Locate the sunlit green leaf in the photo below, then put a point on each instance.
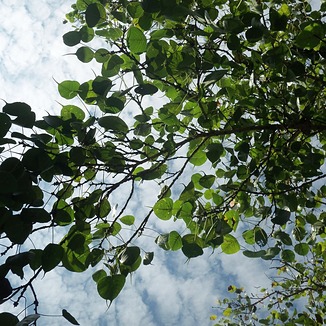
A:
(127, 219)
(230, 244)
(163, 208)
(68, 89)
(136, 40)
(175, 240)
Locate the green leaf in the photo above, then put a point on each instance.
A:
(71, 38)
(99, 275)
(113, 123)
(127, 219)
(278, 21)
(136, 40)
(23, 113)
(281, 216)
(95, 14)
(72, 112)
(28, 320)
(254, 254)
(129, 255)
(102, 55)
(299, 233)
(249, 236)
(261, 237)
(69, 317)
(109, 287)
(214, 152)
(68, 89)
(146, 89)
(94, 257)
(156, 171)
(51, 256)
(113, 104)
(207, 181)
(198, 158)
(190, 247)
(230, 244)
(76, 243)
(87, 34)
(311, 35)
(17, 263)
(288, 256)
(162, 241)
(254, 34)
(302, 249)
(85, 54)
(174, 241)
(111, 67)
(284, 237)
(17, 230)
(214, 76)
(163, 208)
(271, 253)
(101, 85)
(34, 215)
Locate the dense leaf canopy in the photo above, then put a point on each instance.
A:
(220, 104)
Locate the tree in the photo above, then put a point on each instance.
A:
(236, 146)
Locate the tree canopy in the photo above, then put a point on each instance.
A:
(219, 105)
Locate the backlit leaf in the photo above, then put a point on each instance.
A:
(51, 256)
(175, 240)
(230, 244)
(68, 89)
(127, 219)
(136, 40)
(69, 317)
(163, 208)
(109, 287)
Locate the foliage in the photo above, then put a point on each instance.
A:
(219, 103)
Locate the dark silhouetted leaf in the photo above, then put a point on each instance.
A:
(69, 317)
(51, 256)
(95, 14)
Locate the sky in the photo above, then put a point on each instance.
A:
(171, 291)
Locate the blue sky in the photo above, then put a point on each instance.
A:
(170, 292)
